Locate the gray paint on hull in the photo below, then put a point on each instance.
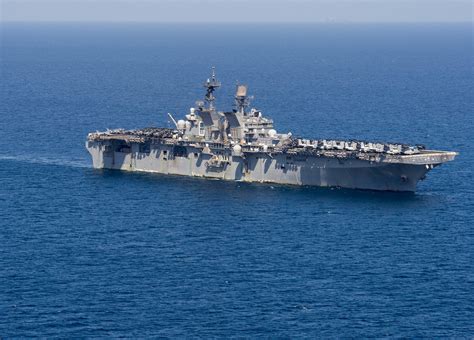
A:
(261, 167)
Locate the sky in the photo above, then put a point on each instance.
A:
(214, 11)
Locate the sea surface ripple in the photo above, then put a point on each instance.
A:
(92, 253)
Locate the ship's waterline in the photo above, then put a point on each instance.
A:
(242, 145)
(261, 167)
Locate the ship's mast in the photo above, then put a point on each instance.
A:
(211, 85)
(242, 101)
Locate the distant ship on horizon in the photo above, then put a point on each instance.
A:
(242, 145)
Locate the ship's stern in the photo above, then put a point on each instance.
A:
(95, 149)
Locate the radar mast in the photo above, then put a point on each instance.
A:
(242, 101)
(211, 85)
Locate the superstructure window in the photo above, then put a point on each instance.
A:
(201, 129)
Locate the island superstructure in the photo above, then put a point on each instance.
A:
(243, 145)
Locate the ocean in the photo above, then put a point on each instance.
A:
(90, 253)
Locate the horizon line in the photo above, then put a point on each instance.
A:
(227, 22)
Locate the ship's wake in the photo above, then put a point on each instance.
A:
(72, 163)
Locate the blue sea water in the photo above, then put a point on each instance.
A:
(87, 253)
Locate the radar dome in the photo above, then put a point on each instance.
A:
(237, 149)
(272, 133)
(181, 124)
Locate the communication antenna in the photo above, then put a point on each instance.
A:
(211, 85)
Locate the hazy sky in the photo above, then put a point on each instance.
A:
(238, 10)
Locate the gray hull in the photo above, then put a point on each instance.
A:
(242, 145)
(263, 167)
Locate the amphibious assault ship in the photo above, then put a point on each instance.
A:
(243, 145)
